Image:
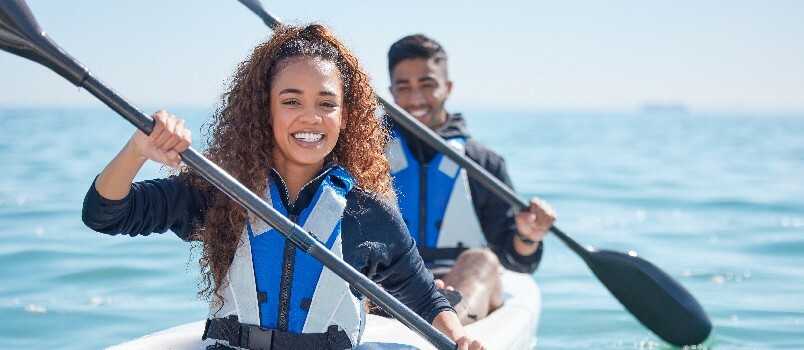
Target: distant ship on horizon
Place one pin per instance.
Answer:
(669, 108)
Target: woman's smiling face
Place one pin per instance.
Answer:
(306, 111)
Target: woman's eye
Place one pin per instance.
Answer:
(291, 102)
(329, 104)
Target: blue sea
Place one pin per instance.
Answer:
(716, 201)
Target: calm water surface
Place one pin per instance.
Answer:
(717, 201)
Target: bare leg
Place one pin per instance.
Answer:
(475, 275)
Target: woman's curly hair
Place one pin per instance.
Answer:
(241, 140)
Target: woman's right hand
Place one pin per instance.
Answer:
(168, 138)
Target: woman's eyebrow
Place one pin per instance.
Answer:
(290, 91)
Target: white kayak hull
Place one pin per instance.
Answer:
(513, 326)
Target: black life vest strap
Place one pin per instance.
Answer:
(430, 254)
(260, 338)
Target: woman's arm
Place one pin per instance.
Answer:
(448, 323)
(168, 139)
(390, 258)
(113, 205)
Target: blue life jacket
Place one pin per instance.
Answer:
(435, 200)
(275, 285)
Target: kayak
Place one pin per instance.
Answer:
(513, 326)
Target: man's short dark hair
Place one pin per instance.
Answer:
(415, 46)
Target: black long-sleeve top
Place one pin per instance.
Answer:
(375, 240)
(495, 215)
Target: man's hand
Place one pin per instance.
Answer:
(534, 223)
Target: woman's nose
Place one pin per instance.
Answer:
(311, 115)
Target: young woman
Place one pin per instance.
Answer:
(297, 125)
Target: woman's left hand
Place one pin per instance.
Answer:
(466, 343)
(447, 322)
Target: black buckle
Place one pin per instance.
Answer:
(256, 337)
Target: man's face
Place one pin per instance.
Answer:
(420, 87)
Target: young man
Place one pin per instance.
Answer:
(463, 231)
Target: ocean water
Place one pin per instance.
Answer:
(716, 201)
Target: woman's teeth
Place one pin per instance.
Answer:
(308, 136)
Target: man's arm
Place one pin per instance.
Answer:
(497, 217)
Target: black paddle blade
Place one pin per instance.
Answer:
(256, 7)
(652, 296)
(21, 35)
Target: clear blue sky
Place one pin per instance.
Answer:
(723, 55)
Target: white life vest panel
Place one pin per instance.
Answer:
(434, 198)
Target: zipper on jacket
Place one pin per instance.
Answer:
(422, 203)
(288, 258)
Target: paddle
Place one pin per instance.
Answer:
(20, 34)
(652, 296)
